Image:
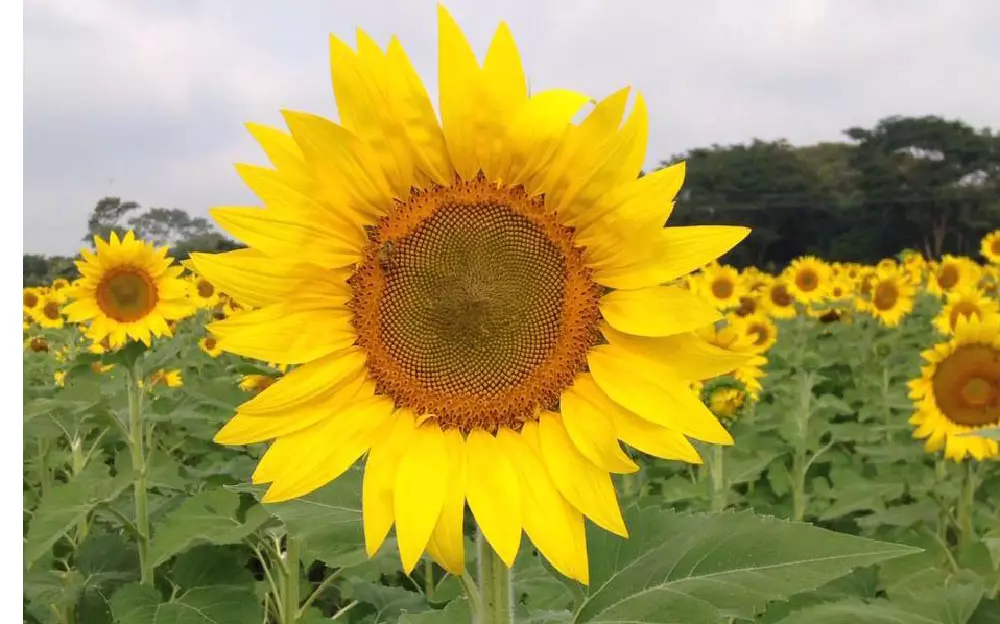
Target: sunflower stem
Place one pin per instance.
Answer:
(79, 463)
(719, 490)
(966, 530)
(136, 446)
(800, 461)
(495, 586)
(290, 592)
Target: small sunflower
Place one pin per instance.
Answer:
(37, 345)
(808, 279)
(778, 301)
(256, 383)
(484, 307)
(964, 303)
(721, 285)
(751, 303)
(203, 292)
(170, 378)
(841, 288)
(49, 312)
(210, 345)
(59, 377)
(952, 273)
(59, 289)
(725, 401)
(959, 391)
(891, 297)
(759, 331)
(729, 338)
(129, 289)
(990, 247)
(754, 280)
(31, 298)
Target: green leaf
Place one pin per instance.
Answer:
(327, 521)
(389, 601)
(67, 503)
(699, 568)
(140, 604)
(860, 497)
(988, 612)
(457, 612)
(936, 594)
(208, 516)
(211, 566)
(535, 587)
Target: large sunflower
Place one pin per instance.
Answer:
(990, 247)
(808, 279)
(958, 392)
(965, 302)
(479, 307)
(129, 289)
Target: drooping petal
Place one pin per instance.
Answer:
(421, 487)
(494, 494)
(657, 311)
(585, 486)
(379, 485)
(686, 355)
(307, 383)
(593, 433)
(447, 543)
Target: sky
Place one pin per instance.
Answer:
(146, 100)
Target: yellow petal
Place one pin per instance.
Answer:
(534, 133)
(686, 355)
(414, 108)
(655, 394)
(459, 84)
(257, 280)
(421, 486)
(281, 149)
(365, 112)
(447, 543)
(637, 432)
(246, 429)
(503, 93)
(593, 433)
(299, 463)
(280, 234)
(494, 494)
(379, 485)
(676, 252)
(307, 383)
(657, 311)
(555, 527)
(275, 333)
(585, 486)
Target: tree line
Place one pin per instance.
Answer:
(923, 183)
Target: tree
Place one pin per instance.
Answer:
(107, 218)
(169, 226)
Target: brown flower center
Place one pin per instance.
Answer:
(51, 310)
(722, 288)
(995, 246)
(126, 294)
(474, 306)
(886, 296)
(967, 386)
(780, 296)
(205, 289)
(748, 305)
(30, 300)
(806, 279)
(960, 309)
(948, 276)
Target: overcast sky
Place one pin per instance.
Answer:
(147, 100)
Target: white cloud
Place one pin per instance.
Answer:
(154, 95)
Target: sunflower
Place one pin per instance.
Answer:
(990, 247)
(59, 377)
(37, 344)
(721, 285)
(49, 312)
(759, 331)
(964, 303)
(203, 292)
(891, 297)
(478, 305)
(959, 391)
(30, 299)
(210, 345)
(129, 289)
(952, 273)
(725, 401)
(750, 303)
(169, 378)
(808, 279)
(256, 383)
(754, 280)
(732, 339)
(840, 288)
(915, 265)
(778, 301)
(59, 288)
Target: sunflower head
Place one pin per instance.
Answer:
(965, 303)
(990, 247)
(757, 332)
(484, 307)
(725, 399)
(170, 378)
(38, 345)
(256, 383)
(129, 290)
(49, 311)
(203, 292)
(210, 345)
(778, 299)
(721, 285)
(891, 296)
(959, 391)
(30, 299)
(808, 279)
(951, 273)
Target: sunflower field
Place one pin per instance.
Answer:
(404, 398)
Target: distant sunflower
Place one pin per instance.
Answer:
(886, 264)
(959, 391)
(49, 313)
(990, 247)
(59, 288)
(210, 345)
(964, 303)
(170, 378)
(750, 303)
(778, 301)
(754, 280)
(30, 299)
(891, 297)
(129, 289)
(952, 273)
(256, 383)
(730, 338)
(203, 292)
(808, 279)
(447, 290)
(760, 331)
(841, 288)
(721, 285)
(725, 401)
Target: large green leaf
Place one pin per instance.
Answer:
(457, 612)
(141, 604)
(699, 568)
(208, 516)
(67, 503)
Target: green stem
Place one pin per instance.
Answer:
(137, 447)
(800, 461)
(79, 463)
(428, 578)
(45, 476)
(940, 474)
(967, 532)
(290, 592)
(495, 586)
(719, 490)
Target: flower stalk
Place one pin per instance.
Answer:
(496, 593)
(136, 432)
